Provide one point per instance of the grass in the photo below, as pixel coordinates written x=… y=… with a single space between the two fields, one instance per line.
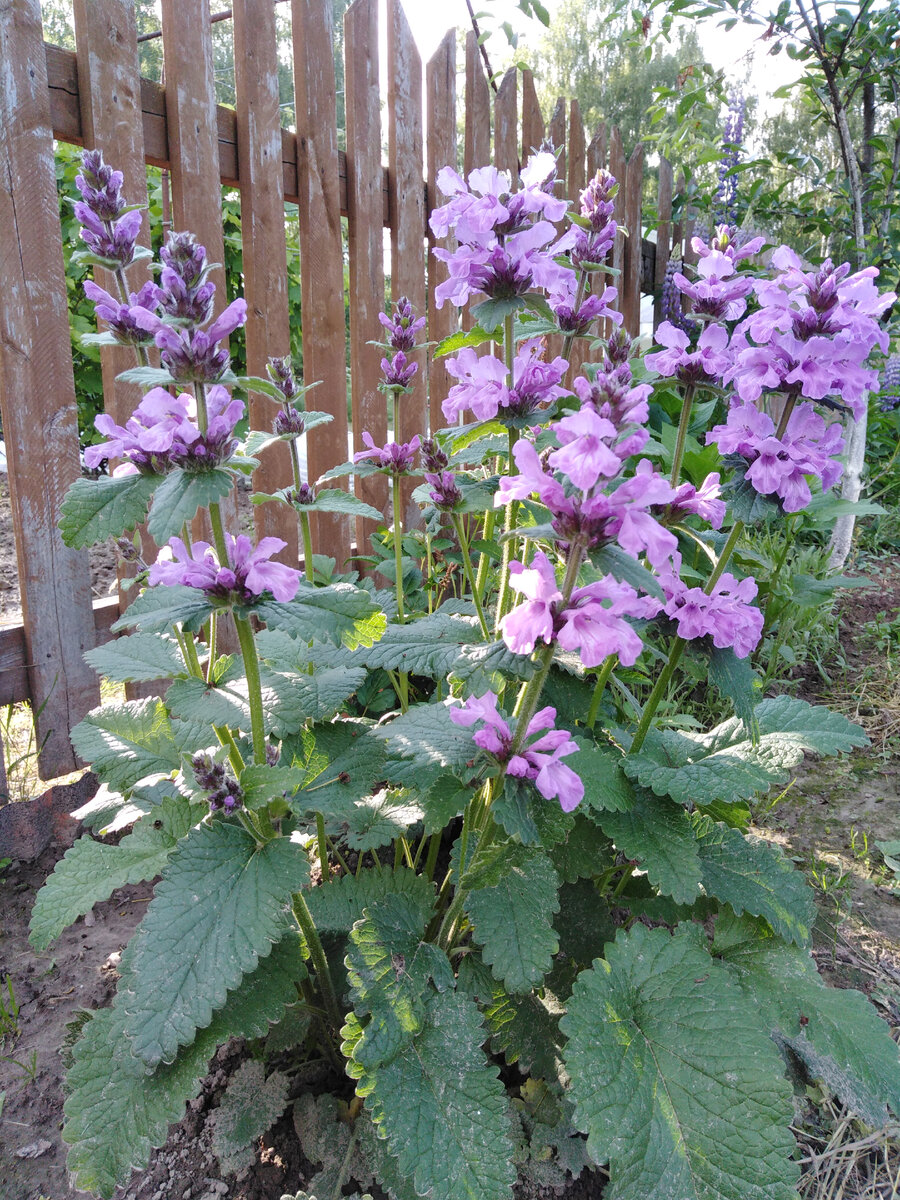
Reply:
x=842 y=1161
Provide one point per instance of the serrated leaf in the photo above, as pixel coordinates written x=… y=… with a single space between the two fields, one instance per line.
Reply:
x=600 y=769
x=483 y=667
x=126 y=742
x=95 y=509
x=525 y=814
x=725 y=764
x=739 y=683
x=146 y=376
x=218 y=909
x=459 y=341
x=513 y=919
x=337 y=904
x=340 y=613
x=261 y=783
x=389 y=966
x=341 y=763
x=137 y=658
x=754 y=876
x=426 y=734
x=91 y=871
x=584 y=853
x=490 y=314
x=699 y=1108
x=583 y=924
x=442 y=1108
x=252 y=1104
x=445 y=799
x=377 y=820
x=333 y=500
x=835 y=1031
x=159 y=608
x=523 y=1028
x=429 y=646
x=658 y=834
x=116 y=1112
x=180 y=495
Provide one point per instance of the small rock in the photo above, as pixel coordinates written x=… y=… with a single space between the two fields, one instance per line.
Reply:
x=186 y=1194
x=90 y=919
x=34 y=1149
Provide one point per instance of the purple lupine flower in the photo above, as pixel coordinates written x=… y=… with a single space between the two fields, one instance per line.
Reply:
x=398 y=372
x=445 y=493
x=532 y=621
x=194 y=355
x=402 y=325
x=281 y=372
x=119 y=317
x=394 y=457
x=594 y=622
x=247 y=575
x=726 y=615
x=707 y=364
x=889 y=398
x=809 y=446
x=732 y=139
x=537 y=759
x=484 y=385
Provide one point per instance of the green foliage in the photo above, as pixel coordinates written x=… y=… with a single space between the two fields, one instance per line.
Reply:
x=95 y=509
x=137 y=657
x=252 y=1103
x=693 y=1070
x=340 y=613
x=126 y=742
x=180 y=495
x=657 y=833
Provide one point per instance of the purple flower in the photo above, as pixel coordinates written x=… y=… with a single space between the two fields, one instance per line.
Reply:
x=809 y=446
x=223 y=790
x=537 y=760
x=398 y=371
x=402 y=325
x=187 y=293
x=707 y=364
x=889 y=398
x=113 y=241
x=531 y=622
x=726 y=615
x=193 y=355
x=433 y=457
x=397 y=458
x=445 y=494
x=718 y=292
x=247 y=575
x=732 y=137
x=591 y=309
x=502 y=271
x=612 y=396
x=484 y=386
x=703 y=502
x=289 y=423
x=100 y=186
x=120 y=317
x=594 y=624
x=585 y=455
x=672 y=307
x=281 y=373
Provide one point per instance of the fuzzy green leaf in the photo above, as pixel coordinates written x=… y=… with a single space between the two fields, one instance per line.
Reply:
x=512 y=919
x=252 y=1104
x=427 y=735
x=180 y=495
x=754 y=876
x=91 y=871
x=333 y=500
x=441 y=1106
x=261 y=783
x=725 y=764
x=137 y=658
x=159 y=608
x=658 y=834
x=126 y=742
x=584 y=852
x=483 y=667
x=600 y=768
x=340 y=613
x=699 y=1108
x=95 y=509
x=429 y=646
x=613 y=560
x=835 y=1031
x=341 y=763
x=736 y=680
x=336 y=905
x=116 y=1112
x=218 y=909
x=375 y=821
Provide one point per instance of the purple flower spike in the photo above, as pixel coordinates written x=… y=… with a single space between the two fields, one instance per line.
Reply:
x=707 y=364
x=398 y=372
x=537 y=760
x=889 y=399
x=100 y=186
x=727 y=615
x=445 y=494
x=121 y=318
x=402 y=325
x=193 y=355
x=247 y=575
x=288 y=423
x=484 y=385
x=113 y=241
x=396 y=458
x=532 y=621
x=594 y=624
x=281 y=372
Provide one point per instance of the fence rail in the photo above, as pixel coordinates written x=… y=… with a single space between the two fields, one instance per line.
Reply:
x=95 y=96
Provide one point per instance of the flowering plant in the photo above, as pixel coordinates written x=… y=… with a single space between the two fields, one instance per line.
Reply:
x=421 y=831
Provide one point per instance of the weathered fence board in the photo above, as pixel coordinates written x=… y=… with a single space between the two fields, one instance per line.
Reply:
x=631 y=276
x=477 y=149
x=36 y=364
x=506 y=122
x=440 y=83
x=663 y=236
x=532 y=118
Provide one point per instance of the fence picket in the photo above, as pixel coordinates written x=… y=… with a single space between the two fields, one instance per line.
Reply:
x=506 y=121
x=596 y=151
x=321 y=254
x=618 y=170
x=663 y=237
x=576 y=151
x=631 y=278
x=365 y=226
x=532 y=118
x=41 y=433
x=263 y=242
x=477 y=150
x=440 y=77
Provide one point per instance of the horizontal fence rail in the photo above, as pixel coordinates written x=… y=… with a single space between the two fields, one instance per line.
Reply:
x=345 y=201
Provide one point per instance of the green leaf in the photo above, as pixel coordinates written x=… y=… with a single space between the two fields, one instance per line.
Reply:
x=95 y=509
x=584 y=853
x=459 y=341
x=429 y=646
x=389 y=966
x=126 y=742
x=445 y=799
x=252 y=1104
x=613 y=560
x=146 y=376
x=217 y=910
x=699 y=1109
x=441 y=1106
x=584 y=924
x=426 y=734
x=116 y=1112
x=179 y=497
x=512 y=919
x=91 y=871
x=600 y=769
x=492 y=313
x=754 y=876
x=835 y=1031
x=523 y=1029
x=333 y=500
x=377 y=820
x=140 y=657
x=299 y=696
x=658 y=835
x=339 y=903
x=340 y=613
x=725 y=764
x=482 y=667
x=261 y=783
x=160 y=608
x=341 y=762
x=524 y=814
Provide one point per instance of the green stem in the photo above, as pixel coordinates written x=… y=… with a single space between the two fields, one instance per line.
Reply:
x=579 y=296
x=211 y=661
x=304 y=919
x=599 y=688
x=687 y=405
x=434 y=847
x=306 y=533
x=786 y=415
x=323 y=847
x=398 y=544
x=509 y=542
x=484 y=563
x=254 y=686
x=470 y=575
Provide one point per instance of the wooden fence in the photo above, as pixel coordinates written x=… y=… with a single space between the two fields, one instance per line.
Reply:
x=96 y=97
